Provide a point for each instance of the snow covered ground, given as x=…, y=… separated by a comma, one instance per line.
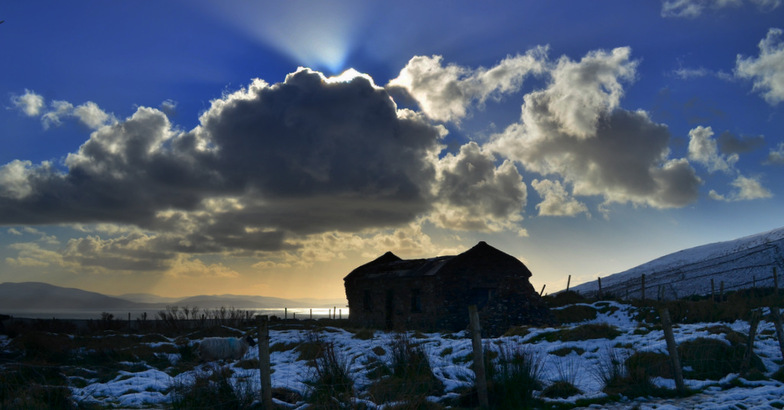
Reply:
x=151, y=388
x=737, y=264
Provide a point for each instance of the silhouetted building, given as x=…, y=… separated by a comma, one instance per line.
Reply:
x=434, y=294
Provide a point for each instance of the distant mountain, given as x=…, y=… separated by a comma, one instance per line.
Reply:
x=28, y=296
x=245, y=301
x=147, y=298
x=36, y=295
x=738, y=264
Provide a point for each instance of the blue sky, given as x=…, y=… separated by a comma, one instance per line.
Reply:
x=268, y=148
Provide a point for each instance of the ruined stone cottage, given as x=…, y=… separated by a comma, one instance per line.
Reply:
x=434, y=294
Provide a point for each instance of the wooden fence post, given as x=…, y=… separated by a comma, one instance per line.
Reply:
x=642, y=289
x=264, y=362
x=753, y=322
x=672, y=348
x=568, y=282
x=600, y=286
x=285, y=313
x=479, y=360
x=776, y=317
x=311, y=313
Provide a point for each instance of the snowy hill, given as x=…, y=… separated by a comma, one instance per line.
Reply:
x=739, y=264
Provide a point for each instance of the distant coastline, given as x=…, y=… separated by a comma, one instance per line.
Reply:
x=152, y=314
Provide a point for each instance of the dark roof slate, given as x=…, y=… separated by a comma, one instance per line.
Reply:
x=481, y=256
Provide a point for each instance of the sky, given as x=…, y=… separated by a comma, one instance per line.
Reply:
x=268, y=148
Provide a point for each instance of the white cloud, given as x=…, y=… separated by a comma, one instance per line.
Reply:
x=746, y=189
x=695, y=8
x=29, y=103
x=92, y=116
x=776, y=155
x=767, y=70
x=15, y=179
x=54, y=116
x=704, y=149
x=583, y=91
x=189, y=268
x=446, y=93
x=575, y=129
x=556, y=201
x=31, y=254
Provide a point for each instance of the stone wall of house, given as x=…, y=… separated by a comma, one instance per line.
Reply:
x=443, y=304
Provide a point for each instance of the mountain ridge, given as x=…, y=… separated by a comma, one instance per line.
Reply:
x=40, y=295
x=736, y=264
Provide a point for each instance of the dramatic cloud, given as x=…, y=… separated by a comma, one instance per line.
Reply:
x=555, y=200
x=303, y=156
x=703, y=149
x=574, y=129
x=767, y=70
x=29, y=103
x=477, y=195
x=446, y=93
x=694, y=8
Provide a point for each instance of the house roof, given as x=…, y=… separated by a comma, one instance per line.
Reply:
x=480, y=257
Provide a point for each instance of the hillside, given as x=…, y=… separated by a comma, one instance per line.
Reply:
x=739, y=264
x=37, y=295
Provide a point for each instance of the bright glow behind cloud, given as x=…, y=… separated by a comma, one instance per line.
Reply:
x=316, y=34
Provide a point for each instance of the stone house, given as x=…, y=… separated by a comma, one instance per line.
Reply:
x=434, y=294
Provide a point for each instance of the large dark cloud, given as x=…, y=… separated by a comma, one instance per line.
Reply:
x=303, y=156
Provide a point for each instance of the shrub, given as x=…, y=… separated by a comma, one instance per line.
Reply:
x=561, y=389
x=712, y=359
x=629, y=376
x=332, y=384
x=517, y=331
x=411, y=377
x=567, y=350
x=563, y=386
x=650, y=364
x=582, y=332
x=512, y=381
x=574, y=314
x=569, y=297
x=34, y=387
x=364, y=334
x=213, y=390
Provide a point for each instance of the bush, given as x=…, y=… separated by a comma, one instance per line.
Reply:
x=563, y=386
x=574, y=314
x=34, y=387
x=561, y=389
x=712, y=359
x=410, y=379
x=512, y=381
x=582, y=332
x=332, y=385
x=569, y=297
x=214, y=390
